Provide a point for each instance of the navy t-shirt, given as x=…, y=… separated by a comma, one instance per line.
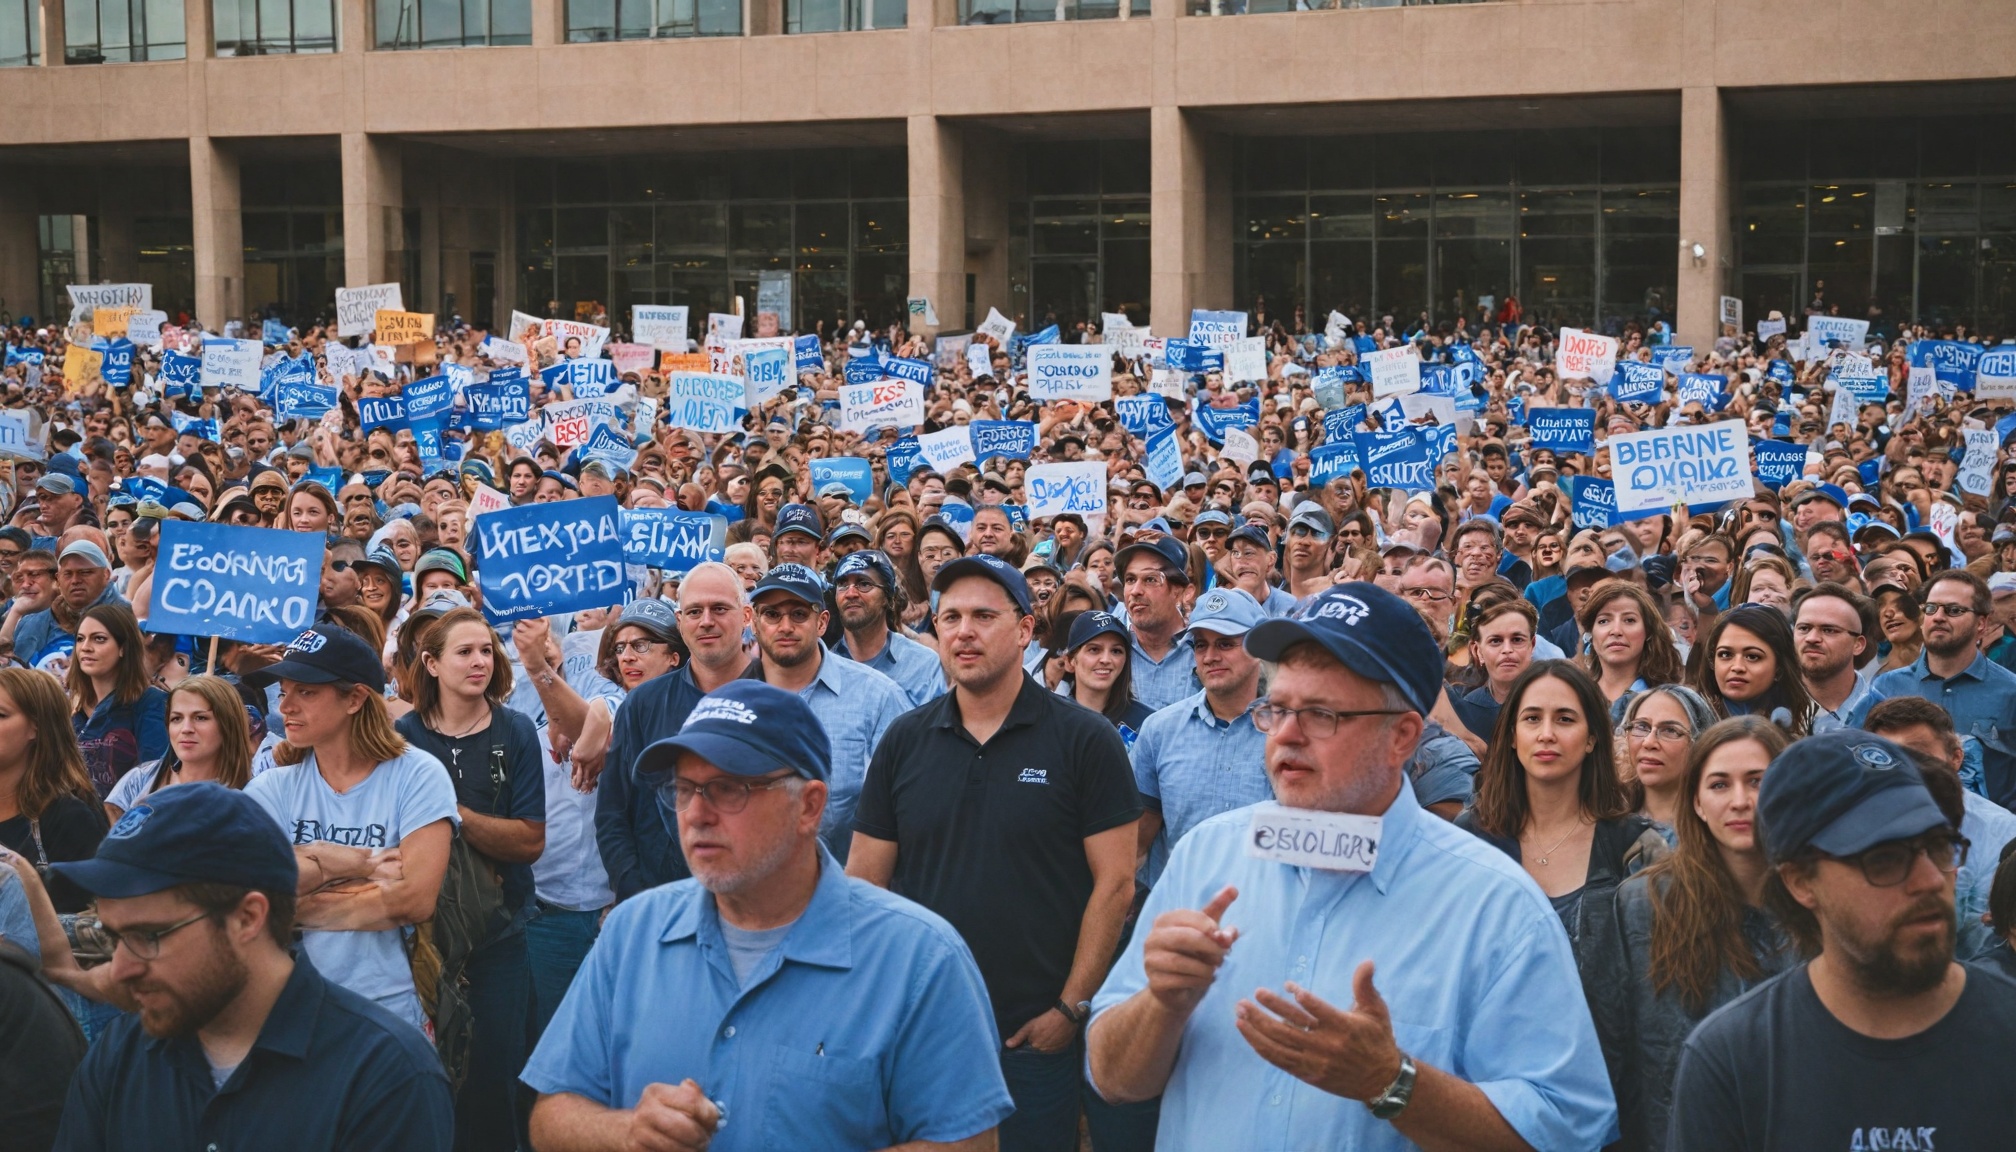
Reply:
x=468, y=761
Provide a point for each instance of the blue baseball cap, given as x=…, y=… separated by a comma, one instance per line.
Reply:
x=746, y=728
x=1212, y=516
x=1373, y=632
x=654, y=616
x=1093, y=624
x=196, y=834
x=1251, y=532
x=796, y=579
x=798, y=518
x=1843, y=792
x=1170, y=551
x=866, y=561
x=845, y=531
x=993, y=568
x=1227, y=611
x=330, y=654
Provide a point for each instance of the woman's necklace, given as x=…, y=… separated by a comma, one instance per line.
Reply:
x=1542, y=858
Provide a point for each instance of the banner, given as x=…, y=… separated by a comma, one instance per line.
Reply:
x=853, y=471
x=944, y=450
x=1708, y=389
x=1637, y=382
x=1216, y=329
x=1395, y=371
x=1246, y=360
x=1779, y=462
x=1995, y=374
x=1595, y=502
x=259, y=585
x=1070, y=372
x=1977, y=469
x=231, y=363
x=397, y=329
x=426, y=399
x=1079, y=486
x=546, y=559
x=703, y=401
x=1690, y=464
x=1585, y=356
x=1142, y=415
x=1163, y=460
x=904, y=457
x=884, y=404
x=1825, y=331
x=1014, y=439
x=382, y=412
x=1396, y=460
x=1215, y=422
x=671, y=540
x=1563, y=429
x=587, y=379
x=1952, y=361
x=659, y=325
x=1341, y=424
x=1329, y=461
x=87, y=297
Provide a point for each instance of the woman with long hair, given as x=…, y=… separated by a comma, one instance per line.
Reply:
x=1765, y=579
x=1074, y=596
x=1629, y=647
x=381, y=584
x=1897, y=611
x=1099, y=673
x=896, y=538
x=119, y=716
x=1692, y=929
x=209, y=738
x=1096, y=558
x=1746, y=665
x=312, y=508
x=49, y=813
x=1659, y=728
x=492, y=756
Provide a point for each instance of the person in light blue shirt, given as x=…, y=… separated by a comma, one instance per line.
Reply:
x=1428, y=997
x=768, y=1001
x=871, y=616
x=1153, y=577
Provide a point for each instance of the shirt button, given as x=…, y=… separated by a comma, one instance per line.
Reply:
x=729, y=1032
x=1274, y=1100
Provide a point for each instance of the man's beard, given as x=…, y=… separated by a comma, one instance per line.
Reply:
x=1953, y=644
x=860, y=619
x=728, y=881
x=1880, y=966
x=217, y=982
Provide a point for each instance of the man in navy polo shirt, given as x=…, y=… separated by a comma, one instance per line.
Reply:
x=237, y=1043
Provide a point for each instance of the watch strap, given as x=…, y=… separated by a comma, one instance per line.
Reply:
x=1394, y=1099
x=1073, y=1012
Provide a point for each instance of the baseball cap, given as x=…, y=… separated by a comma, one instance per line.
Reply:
x=57, y=484
x=847, y=531
x=1843, y=792
x=798, y=518
x=746, y=728
x=329, y=654
x=993, y=568
x=795, y=579
x=268, y=478
x=836, y=488
x=382, y=558
x=1312, y=516
x=1212, y=516
x=1583, y=573
x=1832, y=493
x=654, y=616
x=85, y=550
x=1391, y=547
x=2002, y=582
x=1093, y=624
x=1373, y=632
x=439, y=602
x=1170, y=551
x=1250, y=532
x=1193, y=480
x=442, y=560
x=1227, y=611
x=561, y=478
x=866, y=562
x=201, y=833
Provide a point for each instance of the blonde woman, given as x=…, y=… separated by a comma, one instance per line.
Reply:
x=209, y=738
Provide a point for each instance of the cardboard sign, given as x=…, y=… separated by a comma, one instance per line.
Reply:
x=1690, y=464
x=546, y=559
x=659, y=325
x=1078, y=487
x=357, y=308
x=1585, y=356
x=1163, y=460
x=883, y=404
x=1246, y=360
x=1070, y=372
x=259, y=585
x=1977, y=469
x=1395, y=371
x=111, y=321
x=1636, y=382
x=88, y=297
x=1595, y=502
x=400, y=328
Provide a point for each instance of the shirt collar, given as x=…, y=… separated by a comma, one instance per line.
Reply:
x=822, y=936
x=290, y=1023
x=1975, y=670
x=1396, y=834
x=1024, y=711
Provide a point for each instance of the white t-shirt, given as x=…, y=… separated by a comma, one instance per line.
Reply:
x=135, y=783
x=400, y=797
x=569, y=872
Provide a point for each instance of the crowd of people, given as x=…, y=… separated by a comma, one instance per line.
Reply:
x=1254, y=806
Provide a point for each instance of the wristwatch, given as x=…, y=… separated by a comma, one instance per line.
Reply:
x=1076, y=1013
x=1393, y=1100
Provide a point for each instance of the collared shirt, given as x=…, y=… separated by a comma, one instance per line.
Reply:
x=1828, y=719
x=1987, y=827
x=1190, y=766
x=1160, y=683
x=39, y=629
x=914, y=667
x=867, y=1027
x=1279, y=602
x=1982, y=701
x=330, y=1070
x=855, y=704
x=1485, y=988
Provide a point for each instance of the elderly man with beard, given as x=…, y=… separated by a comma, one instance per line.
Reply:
x=1880, y=1040
x=770, y=1001
x=236, y=1040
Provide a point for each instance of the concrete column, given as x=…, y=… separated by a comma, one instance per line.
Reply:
x=373, y=236
x=762, y=17
x=938, y=220
x=121, y=257
x=20, y=251
x=1179, y=259
x=52, y=32
x=219, y=232
x=197, y=31
x=1704, y=215
x=549, y=23
x=988, y=181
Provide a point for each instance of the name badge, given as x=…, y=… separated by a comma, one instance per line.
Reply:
x=1307, y=838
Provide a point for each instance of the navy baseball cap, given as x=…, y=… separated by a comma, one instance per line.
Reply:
x=200, y=833
x=654, y=616
x=845, y=531
x=329, y=654
x=1092, y=624
x=798, y=518
x=866, y=562
x=1227, y=611
x=1251, y=532
x=746, y=728
x=1373, y=632
x=993, y=568
x=1843, y=792
x=796, y=579
x=1170, y=551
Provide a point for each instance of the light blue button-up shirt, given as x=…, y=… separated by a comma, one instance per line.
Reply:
x=868, y=1026
x=855, y=704
x=1987, y=827
x=1472, y=963
x=914, y=667
x=1160, y=683
x=1190, y=766
x=1982, y=702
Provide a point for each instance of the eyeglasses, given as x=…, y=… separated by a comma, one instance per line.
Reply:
x=640, y=647
x=799, y=615
x=1826, y=631
x=1317, y=723
x=1431, y=595
x=1887, y=865
x=724, y=796
x=1950, y=611
x=145, y=943
x=1213, y=533
x=343, y=565
x=1668, y=733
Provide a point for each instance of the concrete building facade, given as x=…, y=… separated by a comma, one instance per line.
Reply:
x=1599, y=160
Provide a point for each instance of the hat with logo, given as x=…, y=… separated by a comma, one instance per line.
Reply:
x=200, y=833
x=329, y=654
x=1832, y=493
x=1373, y=632
x=866, y=562
x=993, y=568
x=798, y=518
x=794, y=579
x=1843, y=792
x=1093, y=624
x=653, y=615
x=746, y=728
x=1170, y=551
x=1227, y=611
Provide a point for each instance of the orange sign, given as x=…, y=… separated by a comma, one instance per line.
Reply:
x=397, y=328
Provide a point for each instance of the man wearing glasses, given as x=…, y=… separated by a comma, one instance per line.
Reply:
x=1831, y=626
x=1154, y=575
x=1880, y=1040
x=1487, y=1043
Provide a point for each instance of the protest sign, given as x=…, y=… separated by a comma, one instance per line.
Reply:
x=572, y=422
x=853, y=471
x=997, y=326
x=117, y=365
x=1779, y=462
x=773, y=303
x=426, y=399
x=1977, y=468
x=862, y=370
x=1169, y=383
x=1341, y=423
x=258, y=585
x=179, y=372
x=14, y=441
x=1163, y=461
x=1585, y=356
x=766, y=372
x=357, y=308
x=1246, y=360
x=1826, y=331
x=1731, y=312
x=703, y=401
x=1217, y=329
x=723, y=326
x=1708, y=389
x=1014, y=439
x=905, y=456
x=1398, y=459
x=505, y=398
x=1142, y=415
x=1690, y=464
x=669, y=362
x=111, y=321
x=1215, y=422
x=1563, y=429
x=1866, y=387
x=1952, y=361
x=577, y=340
x=1921, y=386
x=231, y=363
x=395, y=328
x=608, y=445
x=382, y=412
x=1240, y=447
x=1329, y=461
x=806, y=355
x=1192, y=356
x=1049, y=335
x=427, y=445
x=1595, y=502
x=1995, y=374
x=88, y=297
x=1944, y=522
x=486, y=499
x=586, y=379
x=916, y=371
x=631, y=359
x=659, y=325
x=671, y=540
x=948, y=352
x=883, y=404
x=274, y=332
x=1070, y=372
x=1636, y=382
x=1328, y=387
x=1673, y=358
x=1395, y=371
x=1766, y=329
x=1079, y=486
x=305, y=397
x=946, y=449
x=546, y=559
x=144, y=327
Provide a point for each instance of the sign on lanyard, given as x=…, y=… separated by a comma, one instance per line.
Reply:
x=1308, y=838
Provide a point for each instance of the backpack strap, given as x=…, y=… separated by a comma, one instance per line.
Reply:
x=500, y=773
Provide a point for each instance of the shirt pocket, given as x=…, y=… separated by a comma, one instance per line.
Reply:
x=1427, y=1044
x=815, y=1100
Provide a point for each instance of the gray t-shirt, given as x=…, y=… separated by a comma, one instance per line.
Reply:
x=747, y=947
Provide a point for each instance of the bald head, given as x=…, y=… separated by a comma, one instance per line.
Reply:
x=712, y=615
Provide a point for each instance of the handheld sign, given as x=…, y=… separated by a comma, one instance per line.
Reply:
x=1995, y=374
x=904, y=457
x=883, y=404
x=1595, y=502
x=231, y=364
x=546, y=559
x=1074, y=487
x=1636, y=382
x=1311, y=838
x=1779, y=462
x=382, y=412
x=14, y=441
x=1246, y=360
x=1215, y=423
x=662, y=325
x=671, y=540
x=1585, y=356
x=1395, y=371
x=1690, y=464
x=1217, y=329
x=703, y=401
x=400, y=328
x=1953, y=361
x=258, y=585
x=357, y=308
x=1070, y=372
x=1563, y=429
x=1397, y=459
x=89, y=297
x=1164, y=458
x=1329, y=461
x=853, y=471
x=426, y=399
x=1143, y=414
x=1339, y=424
x=1709, y=389
x=944, y=450
x=1977, y=468
x=1014, y=439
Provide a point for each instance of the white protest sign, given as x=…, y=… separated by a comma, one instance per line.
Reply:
x=1766, y=329
x=1844, y=409
x=14, y=441
x=765, y=366
x=723, y=326
x=144, y=327
x=1216, y=329
x=659, y=325
x=979, y=360
x=486, y=499
x=997, y=326
x=230, y=364
x=1310, y=837
x=1977, y=469
x=1337, y=327
x=357, y=308
x=1246, y=360
x=1994, y=373
x=947, y=449
x=504, y=351
x=1732, y=312
x=566, y=332
x=1078, y=487
x=1822, y=331
x=85, y=297
x=1169, y=382
x=1395, y=371
x=1070, y=372
x=883, y=404
x=1690, y=464
x=569, y=423
x=1922, y=386
x=1944, y=519
x=646, y=416
x=1585, y=356
x=1240, y=447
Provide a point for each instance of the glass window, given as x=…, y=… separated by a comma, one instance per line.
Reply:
x=844, y=15
x=399, y=24
x=20, y=34
x=1078, y=245
x=274, y=28
x=1042, y=11
x=293, y=235
x=598, y=20
x=122, y=31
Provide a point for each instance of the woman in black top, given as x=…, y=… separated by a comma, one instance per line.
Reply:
x=1099, y=670
x=49, y=812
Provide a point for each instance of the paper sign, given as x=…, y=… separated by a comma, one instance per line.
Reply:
x=853, y=471
x=997, y=326
x=631, y=359
x=1977, y=470
x=231, y=363
x=382, y=412
x=1395, y=371
x=1164, y=458
x=1827, y=331
x=1563, y=429
x=1943, y=521
x=1691, y=464
x=486, y=499
x=659, y=325
x=945, y=450
x=143, y=327
x=1079, y=486
x=570, y=423
x=1240, y=447
x=1398, y=459
x=357, y=308
x=1070, y=372
x=703, y=401
x=259, y=585
x=723, y=326
x=1585, y=356
x=545, y=559
x=1731, y=312
x=883, y=404
x=111, y=321
x=1636, y=382
x=400, y=328
x=1246, y=360
x=1310, y=837
x=1331, y=460
x=1217, y=329
x=1014, y=439
x=1766, y=329
x=86, y=297
x=14, y=441
x=1595, y=502
x=671, y=540
x=1995, y=374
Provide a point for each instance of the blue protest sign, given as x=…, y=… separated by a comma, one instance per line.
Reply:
x=190, y=426
x=1595, y=502
x=1709, y=389
x=609, y=446
x=1396, y=459
x=1018, y=516
x=1193, y=356
x=1779, y=370
x=1781, y=422
x=1952, y=361
x=299, y=398
x=1563, y=429
x=917, y=371
x=902, y=458
x=27, y=356
x=1215, y=422
x=143, y=488
x=116, y=364
x=1329, y=461
x=1674, y=358
x=806, y=356
x=427, y=445
x=1048, y=335
x=959, y=514
x=329, y=478
x=545, y=559
x=273, y=331
x=704, y=401
x=862, y=370
x=1866, y=387
x=179, y=373
x=1164, y=463
x=258, y=585
x=1778, y=462
x=588, y=378
x=1342, y=423
x=1636, y=382
x=852, y=471
x=426, y=399
x=498, y=402
x=1995, y=374
x=1014, y=439
x=382, y=412
x=1441, y=440
x=1142, y=415
x=1438, y=379
x=669, y=539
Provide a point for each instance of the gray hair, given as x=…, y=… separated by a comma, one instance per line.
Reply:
x=1699, y=714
